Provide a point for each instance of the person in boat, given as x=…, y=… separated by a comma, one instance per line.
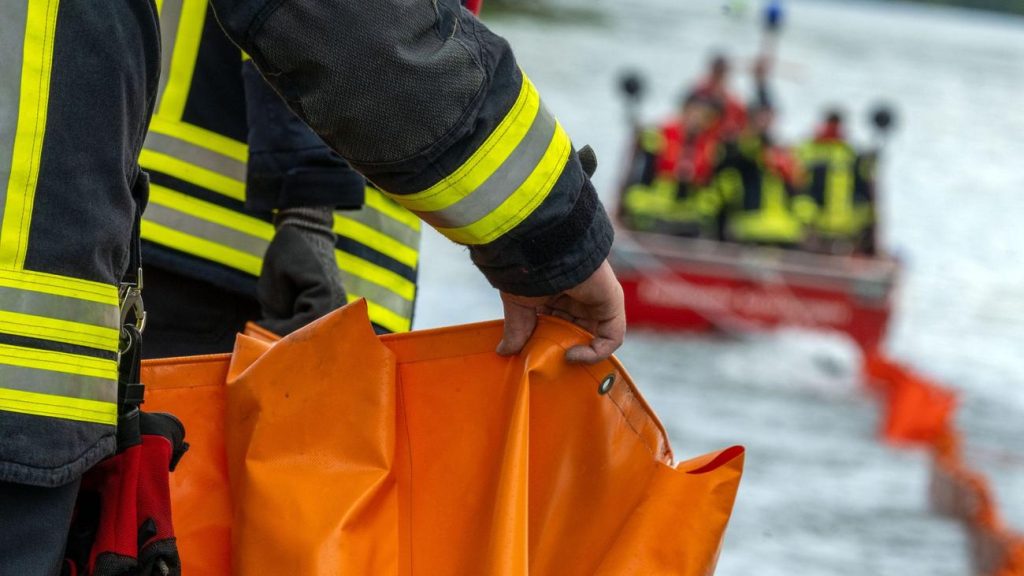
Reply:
x=715, y=86
x=680, y=158
x=756, y=183
x=412, y=102
x=841, y=183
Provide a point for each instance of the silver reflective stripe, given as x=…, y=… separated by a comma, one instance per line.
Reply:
x=202, y=157
x=206, y=230
x=59, y=307
x=12, y=39
x=505, y=180
x=170, y=17
x=385, y=225
x=376, y=293
x=58, y=383
x=257, y=247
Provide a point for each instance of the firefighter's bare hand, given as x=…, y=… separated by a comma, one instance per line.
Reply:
x=596, y=305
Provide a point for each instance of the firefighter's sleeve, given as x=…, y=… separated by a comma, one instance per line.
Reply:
x=431, y=106
x=77, y=84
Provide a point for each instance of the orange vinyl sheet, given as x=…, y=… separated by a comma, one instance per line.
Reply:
x=335, y=451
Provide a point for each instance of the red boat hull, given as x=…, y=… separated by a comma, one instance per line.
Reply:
x=689, y=285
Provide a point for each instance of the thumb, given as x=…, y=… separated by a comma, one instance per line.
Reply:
x=520, y=320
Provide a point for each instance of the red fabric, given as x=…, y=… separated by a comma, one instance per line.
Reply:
x=781, y=162
x=115, y=480
x=734, y=113
x=134, y=498
x=682, y=160
x=474, y=6
x=829, y=132
x=154, y=492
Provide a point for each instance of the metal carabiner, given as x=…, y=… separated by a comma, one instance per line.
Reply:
x=132, y=305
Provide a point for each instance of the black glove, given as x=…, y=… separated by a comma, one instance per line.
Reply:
x=300, y=281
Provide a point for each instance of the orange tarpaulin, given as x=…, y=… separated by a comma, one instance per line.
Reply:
x=335, y=451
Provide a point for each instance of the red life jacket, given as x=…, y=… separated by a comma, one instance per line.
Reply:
x=829, y=132
x=734, y=113
x=782, y=163
x=676, y=149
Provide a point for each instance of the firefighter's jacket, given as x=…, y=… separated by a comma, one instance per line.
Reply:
x=417, y=95
x=223, y=151
x=841, y=182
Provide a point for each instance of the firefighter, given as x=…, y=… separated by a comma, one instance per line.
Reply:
x=669, y=199
x=210, y=223
x=756, y=182
x=418, y=96
x=715, y=85
x=841, y=184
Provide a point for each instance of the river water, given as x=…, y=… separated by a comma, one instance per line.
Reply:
x=821, y=496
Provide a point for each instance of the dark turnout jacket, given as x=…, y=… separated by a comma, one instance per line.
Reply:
x=417, y=95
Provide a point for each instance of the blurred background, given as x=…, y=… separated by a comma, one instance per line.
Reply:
x=821, y=494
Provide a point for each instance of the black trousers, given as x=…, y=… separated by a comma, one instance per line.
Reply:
x=34, y=528
x=185, y=316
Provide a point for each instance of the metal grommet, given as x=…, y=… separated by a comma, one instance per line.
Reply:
x=606, y=385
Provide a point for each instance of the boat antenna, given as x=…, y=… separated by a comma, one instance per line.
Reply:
x=883, y=121
x=632, y=87
x=774, y=17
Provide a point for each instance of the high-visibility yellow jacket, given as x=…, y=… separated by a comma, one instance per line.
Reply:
x=661, y=203
x=760, y=205
x=209, y=217
x=838, y=180
x=418, y=96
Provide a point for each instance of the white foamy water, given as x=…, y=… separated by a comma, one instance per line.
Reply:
x=821, y=495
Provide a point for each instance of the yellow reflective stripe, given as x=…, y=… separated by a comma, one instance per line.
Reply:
x=211, y=212
x=381, y=203
x=80, y=409
x=202, y=247
x=57, y=330
x=201, y=137
x=58, y=362
x=497, y=148
x=183, y=63
x=521, y=203
x=59, y=286
x=37, y=62
x=345, y=226
x=159, y=162
x=384, y=317
x=377, y=274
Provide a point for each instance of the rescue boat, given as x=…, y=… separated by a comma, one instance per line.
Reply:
x=702, y=285
x=689, y=284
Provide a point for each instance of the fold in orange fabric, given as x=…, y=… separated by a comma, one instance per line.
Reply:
x=335, y=451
